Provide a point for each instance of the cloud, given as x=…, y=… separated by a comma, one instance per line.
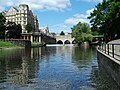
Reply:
x=60, y=27
x=91, y=0
x=78, y=18
x=64, y=26
x=1, y=9
x=56, y=5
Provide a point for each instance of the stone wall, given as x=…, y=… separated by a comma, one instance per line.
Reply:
x=48, y=40
x=111, y=66
x=20, y=42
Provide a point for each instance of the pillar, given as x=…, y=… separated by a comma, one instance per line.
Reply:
x=40, y=39
x=31, y=38
x=27, y=37
x=24, y=37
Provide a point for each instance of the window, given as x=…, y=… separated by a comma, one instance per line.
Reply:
x=24, y=18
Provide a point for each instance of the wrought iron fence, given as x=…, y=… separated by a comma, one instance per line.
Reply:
x=111, y=49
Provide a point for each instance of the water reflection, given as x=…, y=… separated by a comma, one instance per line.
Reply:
x=101, y=80
x=52, y=68
x=84, y=57
x=19, y=65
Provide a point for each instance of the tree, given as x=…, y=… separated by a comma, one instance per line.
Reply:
x=106, y=18
x=29, y=27
x=2, y=26
x=62, y=33
x=81, y=32
x=19, y=31
x=13, y=30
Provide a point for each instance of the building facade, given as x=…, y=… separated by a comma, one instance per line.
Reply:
x=22, y=15
x=45, y=30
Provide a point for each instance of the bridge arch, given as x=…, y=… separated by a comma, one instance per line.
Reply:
x=67, y=42
x=73, y=42
x=59, y=42
x=64, y=39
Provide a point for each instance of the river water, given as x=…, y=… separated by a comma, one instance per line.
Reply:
x=53, y=68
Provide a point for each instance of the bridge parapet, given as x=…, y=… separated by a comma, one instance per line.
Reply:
x=64, y=38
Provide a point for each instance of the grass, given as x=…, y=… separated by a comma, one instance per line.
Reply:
x=6, y=44
x=36, y=44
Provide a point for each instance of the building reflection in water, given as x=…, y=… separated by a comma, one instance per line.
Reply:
x=19, y=66
x=46, y=54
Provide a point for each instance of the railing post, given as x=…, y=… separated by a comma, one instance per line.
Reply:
x=105, y=48
x=108, y=48
x=102, y=47
x=113, y=50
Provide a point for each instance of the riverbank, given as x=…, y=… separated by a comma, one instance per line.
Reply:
x=37, y=44
x=4, y=44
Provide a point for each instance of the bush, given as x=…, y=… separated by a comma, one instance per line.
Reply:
x=6, y=44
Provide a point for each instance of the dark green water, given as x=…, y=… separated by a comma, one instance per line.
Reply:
x=53, y=68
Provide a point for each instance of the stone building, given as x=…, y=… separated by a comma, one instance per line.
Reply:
x=45, y=30
x=22, y=15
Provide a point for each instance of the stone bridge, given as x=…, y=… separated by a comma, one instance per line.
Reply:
x=49, y=39
x=64, y=39
x=39, y=37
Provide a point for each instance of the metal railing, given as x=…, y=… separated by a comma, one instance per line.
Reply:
x=111, y=49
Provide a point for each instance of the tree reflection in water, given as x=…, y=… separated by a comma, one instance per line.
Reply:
x=52, y=68
x=18, y=66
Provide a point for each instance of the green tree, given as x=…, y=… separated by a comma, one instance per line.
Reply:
x=29, y=27
x=19, y=31
x=13, y=30
x=81, y=32
x=2, y=26
x=106, y=18
x=62, y=33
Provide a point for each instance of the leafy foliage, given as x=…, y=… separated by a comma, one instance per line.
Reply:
x=29, y=27
x=2, y=26
x=13, y=30
x=106, y=19
x=81, y=32
x=62, y=33
x=6, y=44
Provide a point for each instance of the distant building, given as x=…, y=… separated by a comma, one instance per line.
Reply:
x=22, y=15
x=45, y=30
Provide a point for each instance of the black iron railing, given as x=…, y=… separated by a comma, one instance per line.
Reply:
x=111, y=49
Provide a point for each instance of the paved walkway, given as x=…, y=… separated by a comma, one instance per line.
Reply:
x=115, y=42
x=116, y=45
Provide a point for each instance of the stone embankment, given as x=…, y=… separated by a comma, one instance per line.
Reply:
x=110, y=64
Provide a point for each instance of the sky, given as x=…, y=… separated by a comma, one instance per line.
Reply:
x=60, y=15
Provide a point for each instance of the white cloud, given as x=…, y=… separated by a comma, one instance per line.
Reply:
x=78, y=18
x=57, y=5
x=1, y=8
x=64, y=26
x=89, y=11
x=91, y=0
x=60, y=27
